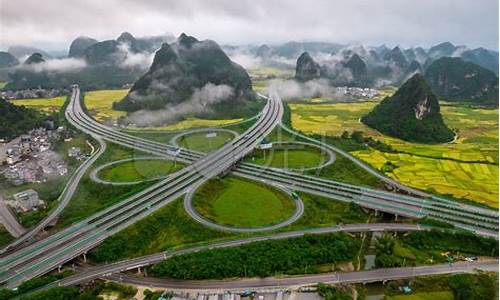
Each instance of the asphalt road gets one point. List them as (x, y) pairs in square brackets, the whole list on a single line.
[(479, 220), (47, 254), (377, 275), (129, 264), (9, 221), (63, 199)]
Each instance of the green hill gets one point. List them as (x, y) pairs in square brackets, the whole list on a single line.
[(457, 80), (411, 114), (183, 68), (16, 120)]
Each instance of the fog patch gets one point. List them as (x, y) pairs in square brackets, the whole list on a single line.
[(131, 59), (56, 65), (295, 90), (200, 101)]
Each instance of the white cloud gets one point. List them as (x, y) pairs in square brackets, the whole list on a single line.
[(61, 65)]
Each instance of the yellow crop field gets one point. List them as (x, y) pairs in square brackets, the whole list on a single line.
[(191, 123), (466, 168), (100, 104), (46, 105)]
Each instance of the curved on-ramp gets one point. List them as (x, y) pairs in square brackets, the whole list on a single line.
[(63, 199)]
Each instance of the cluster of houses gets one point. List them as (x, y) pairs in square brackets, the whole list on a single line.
[(33, 93), (357, 91), (25, 201), (29, 158)]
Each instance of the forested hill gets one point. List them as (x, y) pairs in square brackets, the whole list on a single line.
[(16, 120), (411, 114), (457, 80)]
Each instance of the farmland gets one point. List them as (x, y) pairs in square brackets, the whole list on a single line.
[(46, 105), (303, 157), (190, 123), (100, 104), (467, 168)]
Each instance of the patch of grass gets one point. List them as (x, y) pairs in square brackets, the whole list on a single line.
[(100, 104), (167, 228), (200, 142), (424, 247), (320, 211), (45, 105), (345, 170), (91, 197), (139, 170), (242, 203), (289, 156)]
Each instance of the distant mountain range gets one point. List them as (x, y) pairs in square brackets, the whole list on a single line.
[(103, 64), (113, 63), (411, 114)]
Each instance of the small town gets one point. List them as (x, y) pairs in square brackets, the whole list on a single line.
[(33, 93)]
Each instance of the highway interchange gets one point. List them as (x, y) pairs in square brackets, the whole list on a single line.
[(53, 251)]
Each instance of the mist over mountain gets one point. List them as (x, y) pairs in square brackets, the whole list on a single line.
[(21, 52), (7, 60), (34, 58), (91, 63), (411, 114), (457, 80), (189, 77), (307, 69)]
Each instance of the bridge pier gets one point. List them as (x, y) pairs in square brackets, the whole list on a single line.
[(396, 217), (59, 269), (84, 257)]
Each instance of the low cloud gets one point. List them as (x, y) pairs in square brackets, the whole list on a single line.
[(56, 65), (141, 60), (200, 101), (295, 90)]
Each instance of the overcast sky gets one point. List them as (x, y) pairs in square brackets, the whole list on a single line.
[(53, 24)]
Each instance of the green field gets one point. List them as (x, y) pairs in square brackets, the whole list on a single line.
[(293, 158), (168, 228), (46, 105), (139, 170), (200, 142), (465, 169), (242, 203), (446, 295), (91, 197)]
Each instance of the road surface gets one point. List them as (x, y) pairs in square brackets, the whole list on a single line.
[(129, 264), (9, 221), (479, 220), (53, 251), (377, 275)]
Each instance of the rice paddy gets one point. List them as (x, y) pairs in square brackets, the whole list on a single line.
[(45, 105), (100, 104), (467, 168)]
